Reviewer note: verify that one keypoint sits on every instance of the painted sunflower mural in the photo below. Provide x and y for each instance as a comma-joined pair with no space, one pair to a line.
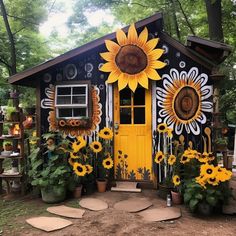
184,100
133,59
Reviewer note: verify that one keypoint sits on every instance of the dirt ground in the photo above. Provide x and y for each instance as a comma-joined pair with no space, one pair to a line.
114,222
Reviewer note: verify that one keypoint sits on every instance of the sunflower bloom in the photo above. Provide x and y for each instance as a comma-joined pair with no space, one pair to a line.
107,163
78,144
80,169
133,59
223,174
159,157
184,159
176,180
171,160
73,155
208,170
213,181
96,146
89,169
106,133
72,161
201,180
162,128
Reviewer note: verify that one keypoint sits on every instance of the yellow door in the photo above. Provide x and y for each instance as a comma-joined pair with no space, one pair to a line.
133,134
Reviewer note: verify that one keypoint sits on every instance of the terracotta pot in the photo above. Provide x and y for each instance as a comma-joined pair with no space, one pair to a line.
176,198
78,191
101,185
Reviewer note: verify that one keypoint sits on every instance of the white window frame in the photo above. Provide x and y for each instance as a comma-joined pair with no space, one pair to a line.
72,106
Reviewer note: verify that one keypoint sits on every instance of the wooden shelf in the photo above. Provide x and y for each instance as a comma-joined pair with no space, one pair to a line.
10,176
11,138
10,157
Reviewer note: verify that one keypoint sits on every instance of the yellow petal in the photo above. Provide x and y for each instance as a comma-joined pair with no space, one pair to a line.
132,35
108,56
107,67
113,77
157,64
150,45
133,83
143,37
143,80
112,46
152,74
155,54
122,81
121,37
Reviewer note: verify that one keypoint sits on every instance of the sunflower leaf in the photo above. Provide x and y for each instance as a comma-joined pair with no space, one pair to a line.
211,200
187,197
193,203
199,196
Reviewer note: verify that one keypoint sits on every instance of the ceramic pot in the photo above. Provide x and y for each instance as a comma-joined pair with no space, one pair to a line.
54,194
78,191
204,209
101,185
176,198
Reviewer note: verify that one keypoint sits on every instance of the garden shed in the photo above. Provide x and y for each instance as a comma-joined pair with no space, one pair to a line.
132,81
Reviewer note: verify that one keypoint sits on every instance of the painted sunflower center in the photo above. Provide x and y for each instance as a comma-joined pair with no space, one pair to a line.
186,103
106,133
209,171
177,179
96,146
80,169
184,158
159,158
131,59
108,163
161,127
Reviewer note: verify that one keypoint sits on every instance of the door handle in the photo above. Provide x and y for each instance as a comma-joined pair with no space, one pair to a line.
116,127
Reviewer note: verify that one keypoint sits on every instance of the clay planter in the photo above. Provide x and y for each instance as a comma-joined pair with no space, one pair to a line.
176,198
78,191
101,185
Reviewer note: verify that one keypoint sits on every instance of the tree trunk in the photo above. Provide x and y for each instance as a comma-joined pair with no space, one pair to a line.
10,37
214,16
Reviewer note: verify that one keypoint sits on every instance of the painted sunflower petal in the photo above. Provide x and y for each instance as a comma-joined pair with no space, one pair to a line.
150,45
155,54
143,80
132,34
113,77
121,37
152,74
107,67
112,46
108,56
133,82
143,37
122,81
157,64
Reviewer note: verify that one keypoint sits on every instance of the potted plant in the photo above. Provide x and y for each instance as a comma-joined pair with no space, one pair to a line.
8,147
221,143
49,169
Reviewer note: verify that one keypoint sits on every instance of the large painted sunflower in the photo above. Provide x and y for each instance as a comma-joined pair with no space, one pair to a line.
96,146
159,157
79,169
133,59
183,100
171,160
107,163
106,133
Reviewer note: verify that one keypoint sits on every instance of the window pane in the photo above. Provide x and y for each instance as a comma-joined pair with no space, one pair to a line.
79,100
139,96
125,97
139,115
64,91
65,112
79,112
63,100
125,115
79,90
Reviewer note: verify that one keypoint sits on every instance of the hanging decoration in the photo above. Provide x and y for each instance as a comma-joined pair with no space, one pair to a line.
184,100
133,59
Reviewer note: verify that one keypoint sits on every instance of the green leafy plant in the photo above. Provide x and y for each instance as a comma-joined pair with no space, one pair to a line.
48,164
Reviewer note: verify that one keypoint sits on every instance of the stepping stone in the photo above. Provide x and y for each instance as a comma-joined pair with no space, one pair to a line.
70,212
126,187
93,204
133,205
48,224
161,214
